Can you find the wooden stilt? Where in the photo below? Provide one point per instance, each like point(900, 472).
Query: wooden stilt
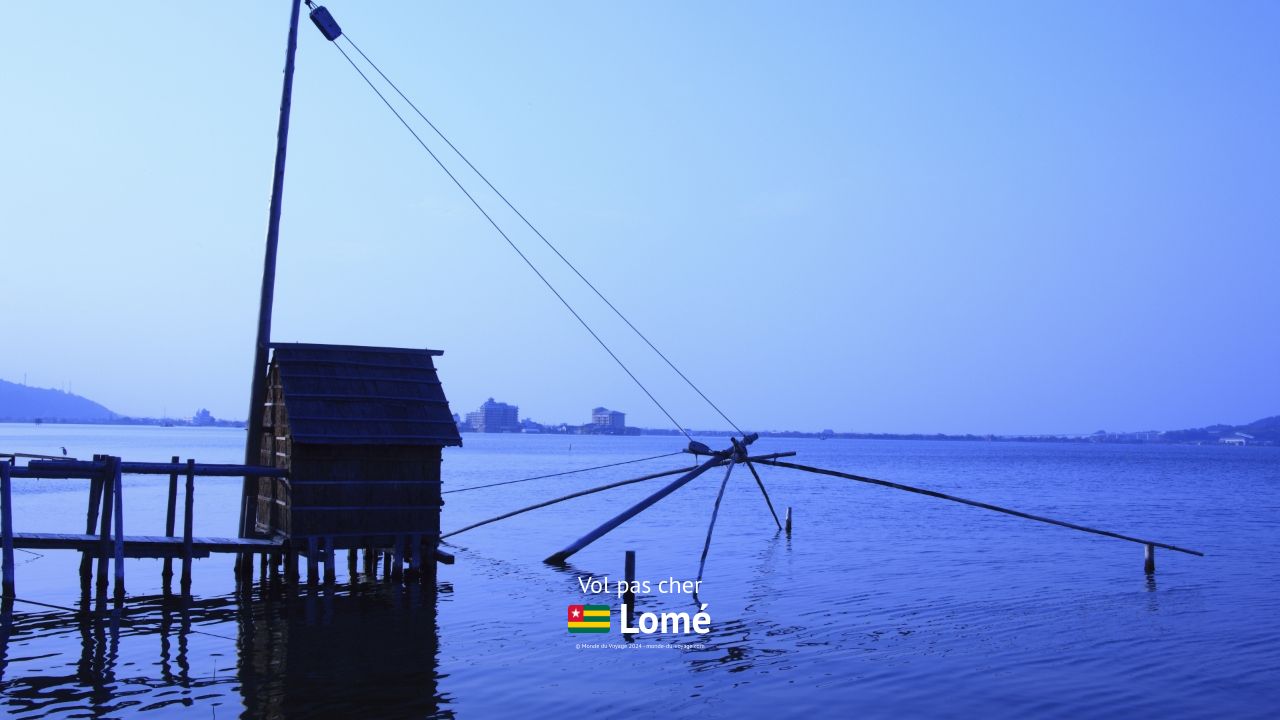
point(313, 572)
point(170, 520)
point(117, 480)
point(6, 529)
point(397, 559)
point(351, 564)
point(788, 521)
point(91, 520)
point(1149, 560)
point(415, 557)
point(104, 542)
point(386, 564)
point(188, 525)
point(330, 559)
point(291, 566)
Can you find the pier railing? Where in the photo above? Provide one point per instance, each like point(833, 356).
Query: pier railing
point(104, 537)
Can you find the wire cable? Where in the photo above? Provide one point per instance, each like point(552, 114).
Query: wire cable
point(542, 237)
point(504, 235)
point(567, 472)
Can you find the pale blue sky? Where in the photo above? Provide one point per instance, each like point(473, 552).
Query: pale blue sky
point(933, 217)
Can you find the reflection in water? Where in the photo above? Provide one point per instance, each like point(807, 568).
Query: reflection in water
point(365, 649)
point(371, 652)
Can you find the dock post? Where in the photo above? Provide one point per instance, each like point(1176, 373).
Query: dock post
point(291, 565)
point(170, 519)
point(1149, 559)
point(351, 564)
point(330, 559)
point(629, 573)
point(386, 564)
point(104, 534)
point(117, 483)
point(188, 526)
point(788, 521)
point(415, 557)
point(397, 559)
point(6, 528)
point(313, 570)
point(368, 560)
point(91, 521)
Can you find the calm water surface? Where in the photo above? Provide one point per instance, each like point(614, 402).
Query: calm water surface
point(881, 604)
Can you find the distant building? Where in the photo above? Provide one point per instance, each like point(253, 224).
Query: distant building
point(494, 417)
point(607, 422)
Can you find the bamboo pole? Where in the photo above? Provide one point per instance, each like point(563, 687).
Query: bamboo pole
point(715, 512)
point(261, 348)
point(764, 492)
point(625, 515)
point(591, 491)
point(985, 506)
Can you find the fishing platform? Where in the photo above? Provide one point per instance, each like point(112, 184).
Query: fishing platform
point(350, 444)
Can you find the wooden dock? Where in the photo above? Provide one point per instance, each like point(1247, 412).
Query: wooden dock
point(104, 538)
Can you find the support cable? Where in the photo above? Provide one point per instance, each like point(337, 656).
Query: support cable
point(510, 242)
point(566, 472)
point(538, 232)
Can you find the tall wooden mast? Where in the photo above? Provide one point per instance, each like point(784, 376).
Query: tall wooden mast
point(262, 344)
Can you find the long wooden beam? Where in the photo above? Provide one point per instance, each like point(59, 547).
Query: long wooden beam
point(85, 469)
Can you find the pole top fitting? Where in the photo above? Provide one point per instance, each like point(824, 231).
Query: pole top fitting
point(324, 22)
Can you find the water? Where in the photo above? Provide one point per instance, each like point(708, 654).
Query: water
point(881, 604)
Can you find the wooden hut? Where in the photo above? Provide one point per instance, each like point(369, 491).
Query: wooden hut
point(360, 430)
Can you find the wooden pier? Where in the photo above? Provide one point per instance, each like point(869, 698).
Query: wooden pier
point(104, 538)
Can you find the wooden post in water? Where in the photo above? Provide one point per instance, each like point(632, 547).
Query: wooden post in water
point(351, 564)
point(117, 483)
point(6, 528)
point(91, 521)
point(188, 526)
point(330, 559)
point(415, 557)
point(170, 520)
point(386, 565)
point(397, 560)
point(104, 535)
point(629, 574)
point(1149, 559)
point(313, 572)
point(788, 521)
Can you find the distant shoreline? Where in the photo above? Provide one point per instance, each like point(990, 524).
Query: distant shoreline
point(1263, 433)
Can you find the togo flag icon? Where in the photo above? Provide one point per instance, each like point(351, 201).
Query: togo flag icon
point(588, 618)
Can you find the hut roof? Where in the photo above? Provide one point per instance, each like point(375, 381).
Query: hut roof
point(355, 395)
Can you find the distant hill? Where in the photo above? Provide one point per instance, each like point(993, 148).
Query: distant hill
point(1266, 430)
point(27, 404)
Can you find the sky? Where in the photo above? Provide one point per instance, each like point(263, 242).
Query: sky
point(991, 217)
